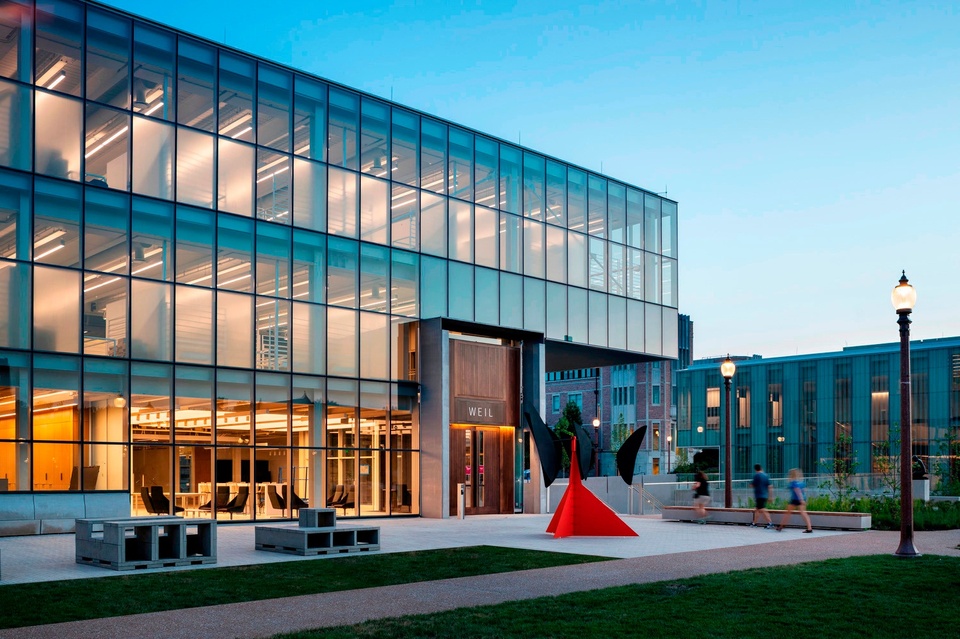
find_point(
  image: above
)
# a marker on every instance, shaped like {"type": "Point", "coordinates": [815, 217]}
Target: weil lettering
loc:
{"type": "Point", "coordinates": [479, 411]}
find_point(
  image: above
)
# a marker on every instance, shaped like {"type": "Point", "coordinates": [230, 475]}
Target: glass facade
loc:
{"type": "Point", "coordinates": [212, 267]}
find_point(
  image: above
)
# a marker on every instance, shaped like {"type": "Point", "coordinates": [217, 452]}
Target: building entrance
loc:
{"type": "Point", "coordinates": [480, 468]}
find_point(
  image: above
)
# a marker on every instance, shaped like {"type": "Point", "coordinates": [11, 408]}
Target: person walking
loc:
{"type": "Point", "coordinates": [701, 496]}
{"type": "Point", "coordinates": [798, 500]}
{"type": "Point", "coordinates": [761, 492]}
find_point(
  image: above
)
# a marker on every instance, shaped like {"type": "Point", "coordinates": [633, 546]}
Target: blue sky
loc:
{"type": "Point", "coordinates": [813, 147]}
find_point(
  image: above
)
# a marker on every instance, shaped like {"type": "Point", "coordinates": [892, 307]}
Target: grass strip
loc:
{"type": "Point", "coordinates": [870, 597]}
{"type": "Point", "coordinates": [77, 599]}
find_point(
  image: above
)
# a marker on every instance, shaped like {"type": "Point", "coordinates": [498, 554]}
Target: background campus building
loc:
{"type": "Point", "coordinates": [221, 276]}
{"type": "Point", "coordinates": [803, 411]}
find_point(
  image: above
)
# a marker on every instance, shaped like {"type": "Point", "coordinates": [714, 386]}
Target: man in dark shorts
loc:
{"type": "Point", "coordinates": [761, 491]}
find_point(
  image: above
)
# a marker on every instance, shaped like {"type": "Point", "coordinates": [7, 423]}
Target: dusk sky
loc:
{"type": "Point", "coordinates": [813, 147]}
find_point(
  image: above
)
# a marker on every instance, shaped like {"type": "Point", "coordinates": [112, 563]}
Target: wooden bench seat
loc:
{"type": "Point", "coordinates": [743, 516]}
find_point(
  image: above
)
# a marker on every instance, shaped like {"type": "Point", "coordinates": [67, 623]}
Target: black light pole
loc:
{"type": "Point", "coordinates": [596, 420]}
{"type": "Point", "coordinates": [904, 298]}
{"type": "Point", "coordinates": [727, 369]}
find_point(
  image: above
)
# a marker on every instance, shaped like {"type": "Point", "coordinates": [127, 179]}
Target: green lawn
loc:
{"type": "Point", "coordinates": [52, 602]}
{"type": "Point", "coordinates": [870, 597]}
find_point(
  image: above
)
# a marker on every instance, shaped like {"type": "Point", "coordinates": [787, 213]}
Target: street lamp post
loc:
{"type": "Point", "coordinates": [904, 298]}
{"type": "Point", "coordinates": [727, 369]}
{"type": "Point", "coordinates": [596, 431]}
{"type": "Point", "coordinates": [669, 450]}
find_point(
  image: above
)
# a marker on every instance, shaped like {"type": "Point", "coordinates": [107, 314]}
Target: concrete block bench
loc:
{"type": "Point", "coordinates": [317, 533]}
{"type": "Point", "coordinates": [743, 516]}
{"type": "Point", "coordinates": [137, 543]}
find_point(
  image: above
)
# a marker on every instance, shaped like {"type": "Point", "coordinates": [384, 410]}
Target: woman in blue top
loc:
{"type": "Point", "coordinates": [798, 501]}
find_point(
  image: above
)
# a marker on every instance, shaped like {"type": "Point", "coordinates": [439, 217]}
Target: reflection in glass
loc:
{"type": "Point", "coordinates": [405, 165]}
{"type": "Point", "coordinates": [404, 211]}
{"type": "Point", "coordinates": [273, 108]}
{"type": "Point", "coordinates": [234, 253]}
{"type": "Point", "coordinates": [58, 136]}
{"type": "Point", "coordinates": [152, 239]}
{"type": "Point", "coordinates": [309, 338]}
{"type": "Point", "coordinates": [342, 342]}
{"type": "Point", "coordinates": [195, 168]}
{"type": "Point", "coordinates": [273, 186]}
{"type": "Point", "coordinates": [16, 138]}
{"type": "Point", "coordinates": [460, 173]}
{"type": "Point", "coordinates": [461, 291]}
{"type": "Point", "coordinates": [374, 273]}
{"type": "Point", "coordinates": [152, 158]}
{"type": "Point", "coordinates": [404, 283]}
{"type": "Point", "coordinates": [56, 223]}
{"type": "Point", "coordinates": [461, 231]}
{"type": "Point", "coordinates": [151, 320]}
{"type": "Point", "coordinates": [194, 325]}
{"type": "Point", "coordinates": [235, 177]}
{"type": "Point", "coordinates": [59, 29]}
{"type": "Point", "coordinates": [309, 118]}
{"type": "Point", "coordinates": [56, 304]}
{"type": "Point", "coordinates": [309, 266]}
{"type": "Point", "coordinates": [234, 323]}
{"type": "Point", "coordinates": [153, 76]}
{"type": "Point", "coordinates": [310, 195]}
{"type": "Point", "coordinates": [196, 73]}
{"type": "Point", "coordinates": [433, 155]}
{"type": "Point", "coordinates": [236, 98]}
{"type": "Point", "coordinates": [107, 148]}
{"type": "Point", "coordinates": [533, 186]}
{"type": "Point", "coordinates": [374, 138]}
{"type": "Point", "coordinates": [342, 203]}
{"type": "Point", "coordinates": [14, 304]}
{"type": "Point", "coordinates": [510, 185]}
{"type": "Point", "coordinates": [373, 209]}
{"type": "Point", "coordinates": [273, 334]}
{"type": "Point", "coordinates": [343, 126]}
{"type": "Point", "coordinates": [108, 58]}
{"type": "Point", "coordinates": [105, 315]}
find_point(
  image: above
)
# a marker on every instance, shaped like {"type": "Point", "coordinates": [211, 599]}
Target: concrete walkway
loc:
{"type": "Point", "coordinates": [662, 551]}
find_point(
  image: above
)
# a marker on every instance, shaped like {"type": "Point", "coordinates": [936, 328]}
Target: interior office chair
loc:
{"type": "Point", "coordinates": [161, 502]}
{"type": "Point", "coordinates": [238, 504]}
{"type": "Point", "coordinates": [276, 501]}
{"type": "Point", "coordinates": [295, 501]}
{"type": "Point", "coordinates": [147, 501]}
{"type": "Point", "coordinates": [222, 499]}
{"type": "Point", "coordinates": [348, 500]}
{"type": "Point", "coordinates": [335, 496]}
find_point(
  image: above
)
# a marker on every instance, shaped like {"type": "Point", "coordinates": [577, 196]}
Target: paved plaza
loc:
{"type": "Point", "coordinates": [662, 550]}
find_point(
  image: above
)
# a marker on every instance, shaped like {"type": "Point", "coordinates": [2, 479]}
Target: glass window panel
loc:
{"type": "Point", "coordinates": [342, 342]}
{"type": "Point", "coordinates": [652, 279]}
{"type": "Point", "coordinates": [153, 76]}
{"type": "Point", "coordinates": [56, 309]}
{"type": "Point", "coordinates": [103, 420]}
{"type": "Point", "coordinates": [556, 254]}
{"type": "Point", "coordinates": [343, 128]}
{"type": "Point", "coordinates": [405, 166]}
{"type": "Point", "coordinates": [235, 177]}
{"type": "Point", "coordinates": [405, 282]}
{"type": "Point", "coordinates": [486, 177]}
{"type": "Point", "coordinates": [635, 320]}
{"type": "Point", "coordinates": [556, 193]}
{"type": "Point", "coordinates": [510, 184]}
{"type": "Point", "coordinates": [460, 286]}
{"type": "Point", "coordinates": [487, 240]}
{"type": "Point", "coordinates": [151, 305]}
{"type": "Point", "coordinates": [533, 186]}
{"type": "Point", "coordinates": [234, 323]}
{"type": "Point", "coordinates": [234, 395]}
{"type": "Point", "coordinates": [14, 304]}
{"type": "Point", "coordinates": [616, 267]}
{"type": "Point", "coordinates": [309, 264]}
{"type": "Point", "coordinates": [598, 319]}
{"type": "Point", "coordinates": [58, 135]}
{"type": "Point", "coordinates": [152, 239]}
{"type": "Point", "coordinates": [272, 417]}
{"type": "Point", "coordinates": [433, 224]}
{"type": "Point", "coordinates": [460, 173]}
{"type": "Point", "coordinates": [576, 318]}
{"type": "Point", "coordinates": [533, 256]}
{"type": "Point", "coordinates": [194, 410]}
{"type": "Point", "coordinates": [107, 148]}
{"type": "Point", "coordinates": [195, 245]}
{"type": "Point", "coordinates": [15, 215]}
{"type": "Point", "coordinates": [105, 235]}
{"type": "Point", "coordinates": [236, 97]}
{"type": "Point", "coordinates": [56, 223]}
{"type": "Point", "coordinates": [511, 243]}
{"type": "Point", "coordinates": [488, 292]}
{"type": "Point", "coordinates": [273, 333]}
{"type": "Point", "coordinates": [576, 199]}
{"type": "Point", "coordinates": [556, 311]}
{"type": "Point", "coordinates": [576, 259]}
{"type": "Point", "coordinates": [635, 218]}
{"type": "Point", "coordinates": [669, 228]}
{"type": "Point", "coordinates": [342, 272]}
{"type": "Point", "coordinates": [617, 211]}
{"type": "Point", "coordinates": [273, 260]}
{"type": "Point", "coordinates": [309, 338]}
{"type": "Point", "coordinates": [234, 253]}
{"type": "Point", "coordinates": [108, 58]}
{"type": "Point", "coordinates": [373, 209]}
{"type": "Point", "coordinates": [309, 118]}
{"type": "Point", "coordinates": [374, 345]}
{"type": "Point", "coordinates": [153, 158]}
{"type": "Point", "coordinates": [597, 206]}
{"type": "Point", "coordinates": [342, 203]}
{"type": "Point", "coordinates": [598, 264]}
{"type": "Point", "coordinates": [150, 392]}
{"type": "Point", "coordinates": [16, 21]}
{"type": "Point", "coordinates": [273, 186]}
{"type": "Point", "coordinates": [195, 168]}
{"type": "Point", "coordinates": [651, 223]}
{"type": "Point", "coordinates": [635, 274]}
{"type": "Point", "coordinates": [534, 305]}
{"type": "Point", "coordinates": [511, 300]}
{"type": "Point", "coordinates": [374, 271]}
{"type": "Point", "coordinates": [460, 229]}
{"type": "Point", "coordinates": [433, 155]}
{"type": "Point", "coordinates": [59, 28]}
{"type": "Point", "coordinates": [404, 211]}
{"type": "Point", "coordinates": [196, 70]}
{"type": "Point", "coordinates": [403, 338]}
{"type": "Point", "coordinates": [653, 325]}
{"type": "Point", "coordinates": [433, 289]}
{"type": "Point", "coordinates": [374, 138]}
{"type": "Point", "coordinates": [16, 138]}
{"type": "Point", "coordinates": [194, 325]}
{"type": "Point", "coordinates": [105, 315]}
{"type": "Point", "coordinates": [669, 289]}
{"type": "Point", "coordinates": [273, 107]}
{"type": "Point", "coordinates": [310, 194]}
{"type": "Point", "coordinates": [617, 322]}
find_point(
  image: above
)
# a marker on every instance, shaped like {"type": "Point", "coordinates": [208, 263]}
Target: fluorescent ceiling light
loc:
{"type": "Point", "coordinates": [234, 137]}
{"type": "Point", "coordinates": [107, 141]}
{"type": "Point", "coordinates": [55, 68]}
{"type": "Point", "coordinates": [49, 238]}
{"type": "Point", "coordinates": [60, 78]}
{"type": "Point", "coordinates": [153, 109]}
{"type": "Point", "coordinates": [147, 267]}
{"type": "Point", "coordinates": [48, 252]}
{"type": "Point", "coordinates": [96, 286]}
{"type": "Point", "coordinates": [243, 118]}
{"type": "Point", "coordinates": [267, 177]}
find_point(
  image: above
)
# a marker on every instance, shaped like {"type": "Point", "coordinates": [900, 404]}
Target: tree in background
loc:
{"type": "Point", "coordinates": [565, 429]}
